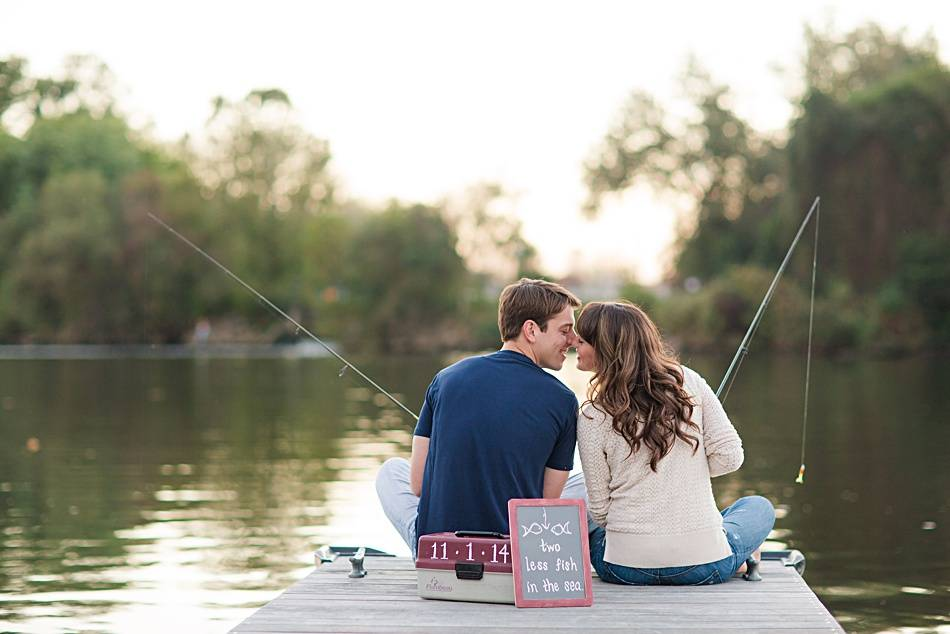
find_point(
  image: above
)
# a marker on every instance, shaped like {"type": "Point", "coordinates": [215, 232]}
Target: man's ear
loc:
{"type": "Point", "coordinates": [529, 330]}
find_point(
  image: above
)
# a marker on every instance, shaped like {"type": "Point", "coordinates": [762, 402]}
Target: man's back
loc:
{"type": "Point", "coordinates": [494, 423]}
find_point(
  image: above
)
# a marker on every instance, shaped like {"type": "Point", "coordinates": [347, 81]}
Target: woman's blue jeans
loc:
{"type": "Point", "coordinates": [746, 523]}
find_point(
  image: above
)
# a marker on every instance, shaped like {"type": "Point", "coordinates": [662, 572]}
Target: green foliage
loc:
{"type": "Point", "coordinates": [639, 295]}
{"type": "Point", "coordinates": [79, 141]}
{"type": "Point", "coordinates": [881, 161]}
{"type": "Point", "coordinates": [840, 65]}
{"type": "Point", "coordinates": [85, 85]}
{"type": "Point", "coordinates": [65, 246]}
{"type": "Point", "coordinates": [404, 274]}
{"type": "Point", "coordinates": [923, 275]}
{"type": "Point", "coordinates": [60, 228]}
{"type": "Point", "coordinates": [731, 171]}
{"type": "Point", "coordinates": [717, 316]}
{"type": "Point", "coordinates": [489, 235]}
{"type": "Point", "coordinates": [257, 150]}
{"type": "Point", "coordinates": [12, 89]}
{"type": "Point", "coordinates": [480, 315]}
{"type": "Point", "coordinates": [871, 137]}
{"type": "Point", "coordinates": [86, 264]}
{"type": "Point", "coordinates": [842, 319]}
{"type": "Point", "coordinates": [11, 161]}
{"type": "Point", "coordinates": [81, 261]}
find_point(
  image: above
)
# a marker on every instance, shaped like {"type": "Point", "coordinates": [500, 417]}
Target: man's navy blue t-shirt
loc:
{"type": "Point", "coordinates": [494, 423]}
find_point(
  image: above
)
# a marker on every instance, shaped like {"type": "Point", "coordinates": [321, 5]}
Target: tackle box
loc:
{"type": "Point", "coordinates": [465, 566]}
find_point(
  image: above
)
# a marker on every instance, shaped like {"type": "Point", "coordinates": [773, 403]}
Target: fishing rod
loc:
{"type": "Point", "coordinates": [280, 312]}
{"type": "Point", "coordinates": [743, 350]}
{"type": "Point", "coordinates": [744, 346]}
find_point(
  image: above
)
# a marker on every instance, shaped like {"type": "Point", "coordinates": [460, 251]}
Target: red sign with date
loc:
{"type": "Point", "coordinates": [445, 550]}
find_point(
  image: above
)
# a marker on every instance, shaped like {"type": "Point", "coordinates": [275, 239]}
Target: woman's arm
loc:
{"type": "Point", "coordinates": [723, 445]}
{"type": "Point", "coordinates": [591, 442]}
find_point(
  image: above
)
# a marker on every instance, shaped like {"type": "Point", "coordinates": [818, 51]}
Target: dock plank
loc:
{"type": "Point", "coordinates": [327, 600]}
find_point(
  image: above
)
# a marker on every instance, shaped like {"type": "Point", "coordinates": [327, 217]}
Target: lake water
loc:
{"type": "Point", "coordinates": [147, 494]}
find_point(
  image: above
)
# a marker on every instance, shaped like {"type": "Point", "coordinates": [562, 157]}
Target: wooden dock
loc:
{"type": "Point", "coordinates": [385, 600]}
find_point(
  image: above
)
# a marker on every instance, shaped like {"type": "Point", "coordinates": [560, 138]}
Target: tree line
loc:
{"type": "Point", "coordinates": [870, 136]}
{"type": "Point", "coordinates": [81, 261]}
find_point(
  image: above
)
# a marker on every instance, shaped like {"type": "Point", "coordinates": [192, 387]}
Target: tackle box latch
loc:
{"type": "Point", "coordinates": [469, 571]}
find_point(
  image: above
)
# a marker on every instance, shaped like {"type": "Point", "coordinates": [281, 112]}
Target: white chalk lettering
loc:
{"type": "Point", "coordinates": [549, 548]}
{"type": "Point", "coordinates": [566, 565]}
{"type": "Point", "coordinates": [550, 586]}
{"type": "Point", "coordinates": [532, 566]}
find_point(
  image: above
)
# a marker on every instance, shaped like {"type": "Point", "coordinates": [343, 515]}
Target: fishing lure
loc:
{"type": "Point", "coordinates": [801, 475]}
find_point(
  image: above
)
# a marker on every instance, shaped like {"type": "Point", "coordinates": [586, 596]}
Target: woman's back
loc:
{"type": "Point", "coordinates": [666, 517]}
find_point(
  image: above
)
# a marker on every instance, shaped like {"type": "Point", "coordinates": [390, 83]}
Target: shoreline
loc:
{"type": "Point", "coordinates": [301, 350]}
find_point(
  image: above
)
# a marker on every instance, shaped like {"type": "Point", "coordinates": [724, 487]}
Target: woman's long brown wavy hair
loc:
{"type": "Point", "coordinates": [637, 380]}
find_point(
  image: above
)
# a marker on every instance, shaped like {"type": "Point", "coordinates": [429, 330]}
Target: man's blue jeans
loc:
{"type": "Point", "coordinates": [746, 523]}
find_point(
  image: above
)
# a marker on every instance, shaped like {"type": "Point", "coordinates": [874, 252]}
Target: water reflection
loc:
{"type": "Point", "coordinates": [197, 488]}
{"type": "Point", "coordinates": [187, 492]}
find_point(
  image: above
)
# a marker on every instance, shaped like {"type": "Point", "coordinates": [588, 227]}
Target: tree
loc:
{"type": "Point", "coordinates": [839, 65]}
{"type": "Point", "coordinates": [263, 172]}
{"type": "Point", "coordinates": [879, 153]}
{"type": "Point", "coordinates": [256, 148]}
{"type": "Point", "coordinates": [64, 273]}
{"type": "Point", "coordinates": [404, 279]}
{"type": "Point", "coordinates": [85, 84]}
{"type": "Point", "coordinates": [731, 172]}
{"type": "Point", "coordinates": [871, 136]}
{"type": "Point", "coordinates": [79, 261]}
{"type": "Point", "coordinates": [489, 234]}
{"type": "Point", "coordinates": [82, 262]}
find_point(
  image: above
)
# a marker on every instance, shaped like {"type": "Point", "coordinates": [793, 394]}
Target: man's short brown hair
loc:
{"type": "Point", "coordinates": [536, 300]}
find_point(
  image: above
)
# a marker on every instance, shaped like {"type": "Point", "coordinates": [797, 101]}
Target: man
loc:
{"type": "Point", "coordinates": [492, 427]}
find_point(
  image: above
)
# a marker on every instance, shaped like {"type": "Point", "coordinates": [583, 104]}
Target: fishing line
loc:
{"type": "Point", "coordinates": [811, 320]}
{"type": "Point", "coordinates": [300, 328]}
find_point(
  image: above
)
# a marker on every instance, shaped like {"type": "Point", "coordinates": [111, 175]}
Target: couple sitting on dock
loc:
{"type": "Point", "coordinates": [651, 435]}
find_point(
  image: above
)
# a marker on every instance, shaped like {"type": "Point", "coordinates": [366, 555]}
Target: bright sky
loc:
{"type": "Point", "coordinates": [420, 100]}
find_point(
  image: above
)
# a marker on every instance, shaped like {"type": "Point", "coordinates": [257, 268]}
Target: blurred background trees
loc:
{"type": "Point", "coordinates": [871, 136]}
{"type": "Point", "coordinates": [80, 261]}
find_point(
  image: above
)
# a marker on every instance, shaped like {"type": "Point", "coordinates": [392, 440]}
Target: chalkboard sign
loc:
{"type": "Point", "coordinates": [550, 553]}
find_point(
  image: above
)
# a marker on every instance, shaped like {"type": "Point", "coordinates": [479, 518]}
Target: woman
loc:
{"type": "Point", "coordinates": [651, 435]}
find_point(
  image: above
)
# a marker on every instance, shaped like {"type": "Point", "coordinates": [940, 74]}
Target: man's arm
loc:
{"type": "Point", "coordinates": [554, 481]}
{"type": "Point", "coordinates": [417, 464]}
{"type": "Point", "coordinates": [561, 461]}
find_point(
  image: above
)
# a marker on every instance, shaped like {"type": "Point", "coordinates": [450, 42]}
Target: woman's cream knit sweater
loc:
{"type": "Point", "coordinates": [668, 518]}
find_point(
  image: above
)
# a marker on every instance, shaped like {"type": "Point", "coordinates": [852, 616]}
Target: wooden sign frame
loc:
{"type": "Point", "coordinates": [520, 600]}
